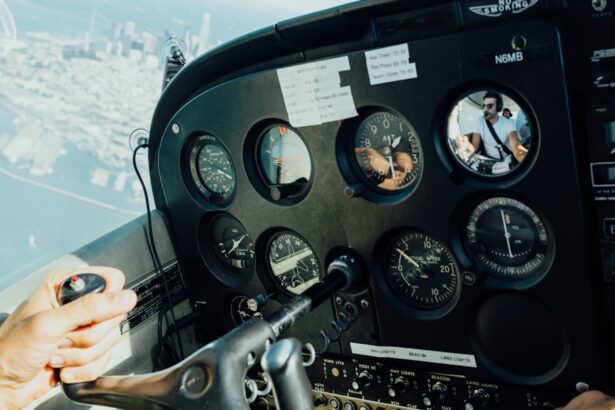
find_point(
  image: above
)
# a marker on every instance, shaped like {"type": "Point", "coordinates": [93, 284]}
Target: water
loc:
{"type": "Point", "coordinates": [39, 223]}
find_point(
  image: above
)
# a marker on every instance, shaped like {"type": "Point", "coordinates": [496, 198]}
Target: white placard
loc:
{"type": "Point", "coordinates": [312, 92]}
{"type": "Point", "coordinates": [389, 64]}
{"type": "Point", "coordinates": [417, 355]}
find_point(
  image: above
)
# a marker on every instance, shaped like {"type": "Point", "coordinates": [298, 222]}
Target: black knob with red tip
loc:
{"type": "Point", "coordinates": [79, 285]}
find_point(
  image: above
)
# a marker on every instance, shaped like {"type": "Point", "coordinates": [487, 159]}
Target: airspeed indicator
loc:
{"type": "Point", "coordinates": [421, 270]}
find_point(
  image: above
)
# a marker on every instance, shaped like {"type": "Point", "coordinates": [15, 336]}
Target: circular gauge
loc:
{"type": "Point", "coordinates": [490, 133]}
{"type": "Point", "coordinates": [284, 162]}
{"type": "Point", "coordinates": [212, 169]}
{"type": "Point", "coordinates": [241, 312]}
{"type": "Point", "coordinates": [507, 239]}
{"type": "Point", "coordinates": [388, 151]}
{"type": "Point", "coordinates": [293, 262]}
{"type": "Point", "coordinates": [231, 244]}
{"type": "Point", "coordinates": [421, 270]}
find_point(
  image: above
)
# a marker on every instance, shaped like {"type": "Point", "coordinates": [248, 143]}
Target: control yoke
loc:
{"type": "Point", "coordinates": [213, 377]}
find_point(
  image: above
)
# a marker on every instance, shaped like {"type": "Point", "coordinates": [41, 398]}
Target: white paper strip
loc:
{"type": "Point", "coordinates": [389, 64]}
{"type": "Point", "coordinates": [417, 355]}
{"type": "Point", "coordinates": [312, 92]}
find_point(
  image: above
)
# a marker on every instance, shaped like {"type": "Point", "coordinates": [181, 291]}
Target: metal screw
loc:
{"type": "Point", "coordinates": [469, 278]}
{"type": "Point", "coordinates": [364, 303]}
{"type": "Point", "coordinates": [339, 300]}
{"type": "Point", "coordinates": [175, 128]}
{"type": "Point", "coordinates": [518, 42]}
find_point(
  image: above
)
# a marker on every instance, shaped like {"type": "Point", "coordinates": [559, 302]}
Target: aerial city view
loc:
{"type": "Point", "coordinates": [76, 78]}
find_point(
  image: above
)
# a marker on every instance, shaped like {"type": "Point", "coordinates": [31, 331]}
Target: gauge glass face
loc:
{"type": "Point", "coordinates": [293, 262]}
{"type": "Point", "coordinates": [232, 244]}
{"type": "Point", "coordinates": [283, 157]}
{"type": "Point", "coordinates": [421, 270]}
{"type": "Point", "coordinates": [241, 312]}
{"type": "Point", "coordinates": [388, 151]}
{"type": "Point", "coordinates": [215, 170]}
{"type": "Point", "coordinates": [490, 151]}
{"type": "Point", "coordinates": [507, 239]}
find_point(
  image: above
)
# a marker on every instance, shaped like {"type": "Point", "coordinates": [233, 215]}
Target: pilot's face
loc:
{"type": "Point", "coordinates": [489, 108]}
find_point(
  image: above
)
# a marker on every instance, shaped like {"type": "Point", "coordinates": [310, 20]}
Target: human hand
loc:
{"type": "Point", "coordinates": [520, 152]}
{"type": "Point", "coordinates": [77, 337]}
{"type": "Point", "coordinates": [590, 400]}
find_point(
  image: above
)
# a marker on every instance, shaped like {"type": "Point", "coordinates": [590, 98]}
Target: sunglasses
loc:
{"type": "Point", "coordinates": [488, 106]}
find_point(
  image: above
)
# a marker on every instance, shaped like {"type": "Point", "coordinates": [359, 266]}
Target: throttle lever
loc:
{"type": "Point", "coordinates": [75, 287]}
{"type": "Point", "coordinates": [214, 376]}
{"type": "Point", "coordinates": [283, 363]}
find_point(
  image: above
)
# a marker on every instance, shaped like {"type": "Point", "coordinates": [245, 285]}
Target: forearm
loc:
{"type": "Point", "coordinates": [3, 317]}
{"type": "Point", "coordinates": [475, 141]}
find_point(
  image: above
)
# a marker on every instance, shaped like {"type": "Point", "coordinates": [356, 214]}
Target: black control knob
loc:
{"type": "Point", "coordinates": [438, 392]}
{"type": "Point", "coordinates": [320, 401]}
{"type": "Point", "coordinates": [479, 399]}
{"type": "Point", "coordinates": [400, 385]}
{"type": "Point", "coordinates": [80, 285]}
{"type": "Point", "coordinates": [365, 379]}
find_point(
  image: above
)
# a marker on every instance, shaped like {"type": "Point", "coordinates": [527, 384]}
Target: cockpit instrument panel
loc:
{"type": "Point", "coordinates": [447, 160]}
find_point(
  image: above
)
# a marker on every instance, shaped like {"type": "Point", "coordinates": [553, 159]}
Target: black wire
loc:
{"type": "Point", "coordinates": [157, 263]}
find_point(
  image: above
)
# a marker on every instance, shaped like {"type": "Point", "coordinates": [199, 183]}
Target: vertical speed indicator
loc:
{"type": "Point", "coordinates": [421, 271]}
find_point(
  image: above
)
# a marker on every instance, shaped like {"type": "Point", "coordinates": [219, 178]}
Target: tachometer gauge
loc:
{"type": "Point", "coordinates": [284, 162]}
{"type": "Point", "coordinates": [292, 262]}
{"type": "Point", "coordinates": [212, 169]}
{"type": "Point", "coordinates": [421, 270]}
{"type": "Point", "coordinates": [507, 239]}
{"type": "Point", "coordinates": [388, 151]}
{"type": "Point", "coordinates": [231, 244]}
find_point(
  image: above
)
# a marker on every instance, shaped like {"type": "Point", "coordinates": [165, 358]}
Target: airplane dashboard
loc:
{"type": "Point", "coordinates": [460, 151]}
{"type": "Point", "coordinates": [481, 260]}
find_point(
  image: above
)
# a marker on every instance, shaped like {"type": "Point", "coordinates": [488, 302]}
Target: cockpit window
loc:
{"type": "Point", "coordinates": [76, 78]}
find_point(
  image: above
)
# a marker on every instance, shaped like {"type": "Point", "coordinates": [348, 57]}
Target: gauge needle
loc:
{"type": "Point", "coordinates": [409, 259]}
{"type": "Point", "coordinates": [392, 167]}
{"type": "Point", "coordinates": [506, 233]}
{"type": "Point", "coordinates": [235, 244]}
{"type": "Point", "coordinates": [224, 173]}
{"type": "Point", "coordinates": [396, 142]}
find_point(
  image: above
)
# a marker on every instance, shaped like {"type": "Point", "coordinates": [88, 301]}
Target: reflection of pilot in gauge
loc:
{"type": "Point", "coordinates": [402, 166]}
{"type": "Point", "coordinates": [485, 141]}
{"type": "Point", "coordinates": [497, 134]}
